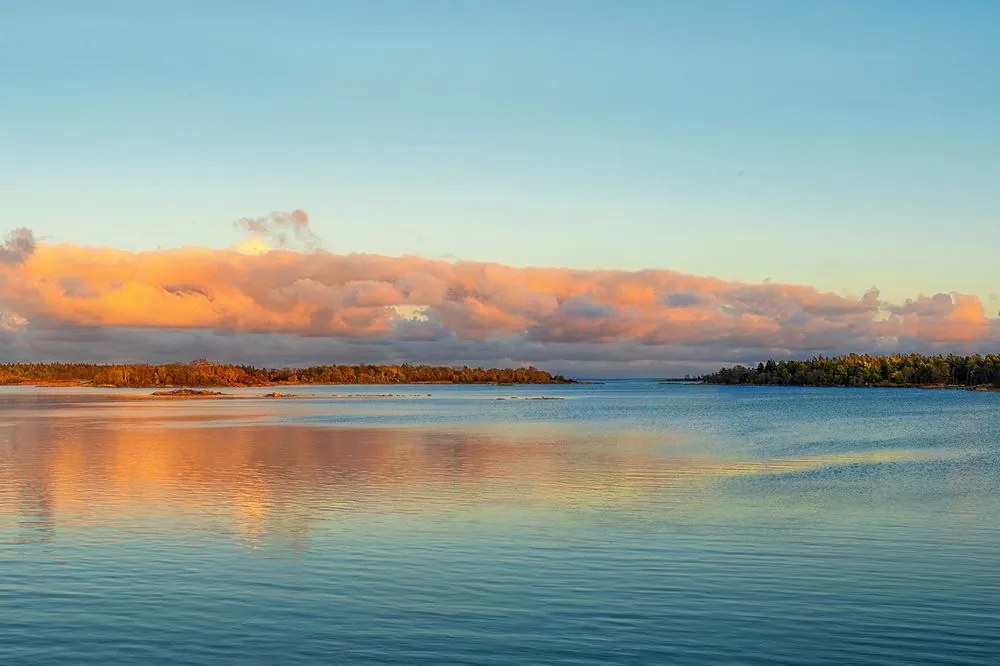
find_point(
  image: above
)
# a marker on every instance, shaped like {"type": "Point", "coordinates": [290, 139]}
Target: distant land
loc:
{"type": "Point", "coordinates": [203, 373]}
{"type": "Point", "coordinates": [974, 372]}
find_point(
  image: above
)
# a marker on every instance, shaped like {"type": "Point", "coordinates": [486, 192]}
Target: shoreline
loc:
{"type": "Point", "coordinates": [984, 388]}
{"type": "Point", "coordinates": [169, 387]}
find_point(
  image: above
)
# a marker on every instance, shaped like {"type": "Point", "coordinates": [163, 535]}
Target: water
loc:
{"type": "Point", "coordinates": [626, 522]}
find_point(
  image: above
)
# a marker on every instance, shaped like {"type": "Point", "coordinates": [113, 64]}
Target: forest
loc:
{"type": "Point", "coordinates": [205, 373]}
{"type": "Point", "coordinates": [869, 370]}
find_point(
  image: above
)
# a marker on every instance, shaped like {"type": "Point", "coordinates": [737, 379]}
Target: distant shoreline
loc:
{"type": "Point", "coordinates": [977, 372]}
{"type": "Point", "coordinates": [925, 387]}
{"type": "Point", "coordinates": [168, 387]}
{"type": "Point", "coordinates": [206, 374]}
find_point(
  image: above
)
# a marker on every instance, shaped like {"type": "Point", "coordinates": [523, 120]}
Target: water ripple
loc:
{"type": "Point", "coordinates": [628, 523]}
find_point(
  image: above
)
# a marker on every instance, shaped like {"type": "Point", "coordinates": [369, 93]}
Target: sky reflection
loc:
{"type": "Point", "coordinates": [659, 523]}
{"type": "Point", "coordinates": [119, 465]}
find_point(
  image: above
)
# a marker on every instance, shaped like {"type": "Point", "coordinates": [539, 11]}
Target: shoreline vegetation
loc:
{"type": "Point", "coordinates": [978, 372]}
{"type": "Point", "coordinates": [202, 374]}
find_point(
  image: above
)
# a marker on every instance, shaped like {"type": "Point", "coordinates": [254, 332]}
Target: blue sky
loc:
{"type": "Point", "coordinates": [836, 144]}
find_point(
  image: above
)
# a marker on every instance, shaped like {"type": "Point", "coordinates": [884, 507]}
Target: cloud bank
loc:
{"type": "Point", "coordinates": [265, 302]}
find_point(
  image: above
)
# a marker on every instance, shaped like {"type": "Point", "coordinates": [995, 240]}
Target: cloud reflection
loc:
{"type": "Point", "coordinates": [277, 484]}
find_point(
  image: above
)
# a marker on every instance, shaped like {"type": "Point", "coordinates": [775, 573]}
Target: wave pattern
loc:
{"type": "Point", "coordinates": [629, 522]}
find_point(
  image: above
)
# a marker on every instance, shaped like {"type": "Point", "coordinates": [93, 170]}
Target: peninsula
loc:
{"type": "Point", "coordinates": [979, 371]}
{"type": "Point", "coordinates": [202, 373]}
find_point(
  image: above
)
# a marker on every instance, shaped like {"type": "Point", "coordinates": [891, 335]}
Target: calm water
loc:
{"type": "Point", "coordinates": [628, 522]}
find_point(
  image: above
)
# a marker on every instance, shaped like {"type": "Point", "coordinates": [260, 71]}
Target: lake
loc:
{"type": "Point", "coordinates": [622, 522]}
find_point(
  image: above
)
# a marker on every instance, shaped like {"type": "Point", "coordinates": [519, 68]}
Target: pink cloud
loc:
{"type": "Point", "coordinates": [462, 305]}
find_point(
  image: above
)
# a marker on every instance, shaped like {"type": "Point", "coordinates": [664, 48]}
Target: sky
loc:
{"type": "Point", "coordinates": [817, 149]}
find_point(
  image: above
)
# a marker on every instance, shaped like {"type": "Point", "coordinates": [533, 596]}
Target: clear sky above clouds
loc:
{"type": "Point", "coordinates": [794, 154]}
{"type": "Point", "coordinates": [839, 144]}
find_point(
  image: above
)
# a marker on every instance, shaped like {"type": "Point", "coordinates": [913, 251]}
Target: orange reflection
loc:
{"type": "Point", "coordinates": [260, 480]}
{"type": "Point", "coordinates": [277, 482]}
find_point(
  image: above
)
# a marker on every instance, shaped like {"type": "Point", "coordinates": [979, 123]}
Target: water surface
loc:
{"type": "Point", "coordinates": [625, 522]}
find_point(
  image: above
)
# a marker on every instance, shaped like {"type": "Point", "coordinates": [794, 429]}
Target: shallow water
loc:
{"type": "Point", "coordinates": [626, 522]}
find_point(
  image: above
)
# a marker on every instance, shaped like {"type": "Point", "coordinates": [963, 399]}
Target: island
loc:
{"type": "Point", "coordinates": [976, 372]}
{"type": "Point", "coordinates": [203, 373]}
{"type": "Point", "coordinates": [187, 393]}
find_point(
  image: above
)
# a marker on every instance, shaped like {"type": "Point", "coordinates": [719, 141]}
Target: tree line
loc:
{"type": "Point", "coordinates": [868, 370]}
{"type": "Point", "coordinates": [205, 373]}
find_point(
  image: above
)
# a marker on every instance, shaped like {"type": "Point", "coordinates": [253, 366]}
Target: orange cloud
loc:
{"type": "Point", "coordinates": [380, 298]}
{"type": "Point", "coordinates": [942, 318]}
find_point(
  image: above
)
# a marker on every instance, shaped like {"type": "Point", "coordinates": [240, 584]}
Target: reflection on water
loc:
{"type": "Point", "coordinates": [624, 523]}
{"type": "Point", "coordinates": [277, 480]}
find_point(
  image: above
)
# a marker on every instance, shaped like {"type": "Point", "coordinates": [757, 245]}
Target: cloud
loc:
{"type": "Point", "coordinates": [277, 230]}
{"type": "Point", "coordinates": [284, 306]}
{"type": "Point", "coordinates": [19, 245]}
{"type": "Point", "coordinates": [942, 318]}
{"type": "Point", "coordinates": [683, 299]}
{"type": "Point", "coordinates": [11, 322]}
